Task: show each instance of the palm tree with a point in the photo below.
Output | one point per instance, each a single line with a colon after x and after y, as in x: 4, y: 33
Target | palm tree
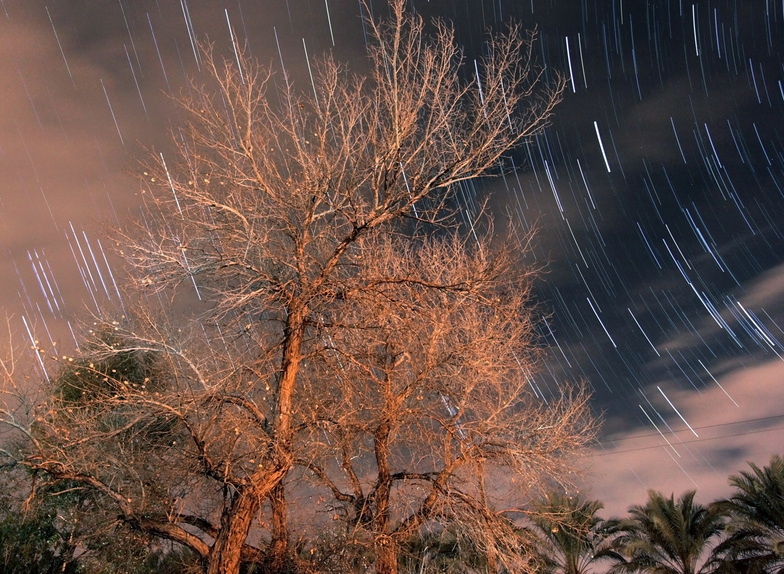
x: 756, y: 530
x: 566, y: 533
x: 666, y: 536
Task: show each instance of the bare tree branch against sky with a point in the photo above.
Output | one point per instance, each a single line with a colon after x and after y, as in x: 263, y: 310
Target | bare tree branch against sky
x: 658, y: 192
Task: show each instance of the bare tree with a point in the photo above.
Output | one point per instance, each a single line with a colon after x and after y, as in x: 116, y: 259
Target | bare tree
x: 345, y: 331
x: 429, y: 414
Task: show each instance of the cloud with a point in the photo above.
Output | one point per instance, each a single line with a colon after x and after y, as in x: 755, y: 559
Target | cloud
x: 627, y: 465
x: 61, y: 155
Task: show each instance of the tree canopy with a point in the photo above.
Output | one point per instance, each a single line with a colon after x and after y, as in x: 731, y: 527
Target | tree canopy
x: 666, y: 536
x: 309, y: 330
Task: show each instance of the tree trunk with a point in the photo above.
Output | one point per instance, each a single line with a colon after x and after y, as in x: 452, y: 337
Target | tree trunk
x: 384, y: 545
x: 226, y: 554
x: 282, y: 423
x: 292, y: 356
x: 386, y: 555
x: 279, y: 546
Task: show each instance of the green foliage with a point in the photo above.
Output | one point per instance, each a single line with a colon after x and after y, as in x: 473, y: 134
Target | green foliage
x: 107, y: 383
x: 666, y: 536
x: 448, y: 551
x: 102, y: 387
x: 98, y: 374
x: 337, y: 552
x: 33, y: 539
x: 32, y: 545
x: 60, y: 531
x: 117, y: 558
x: 566, y: 532
x: 756, y: 531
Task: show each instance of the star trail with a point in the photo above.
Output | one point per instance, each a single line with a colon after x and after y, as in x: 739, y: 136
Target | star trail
x: 657, y: 192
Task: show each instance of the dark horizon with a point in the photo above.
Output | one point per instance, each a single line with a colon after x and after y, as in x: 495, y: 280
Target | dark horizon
x: 658, y: 192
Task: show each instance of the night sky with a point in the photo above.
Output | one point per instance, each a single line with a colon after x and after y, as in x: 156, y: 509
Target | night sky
x: 657, y: 192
